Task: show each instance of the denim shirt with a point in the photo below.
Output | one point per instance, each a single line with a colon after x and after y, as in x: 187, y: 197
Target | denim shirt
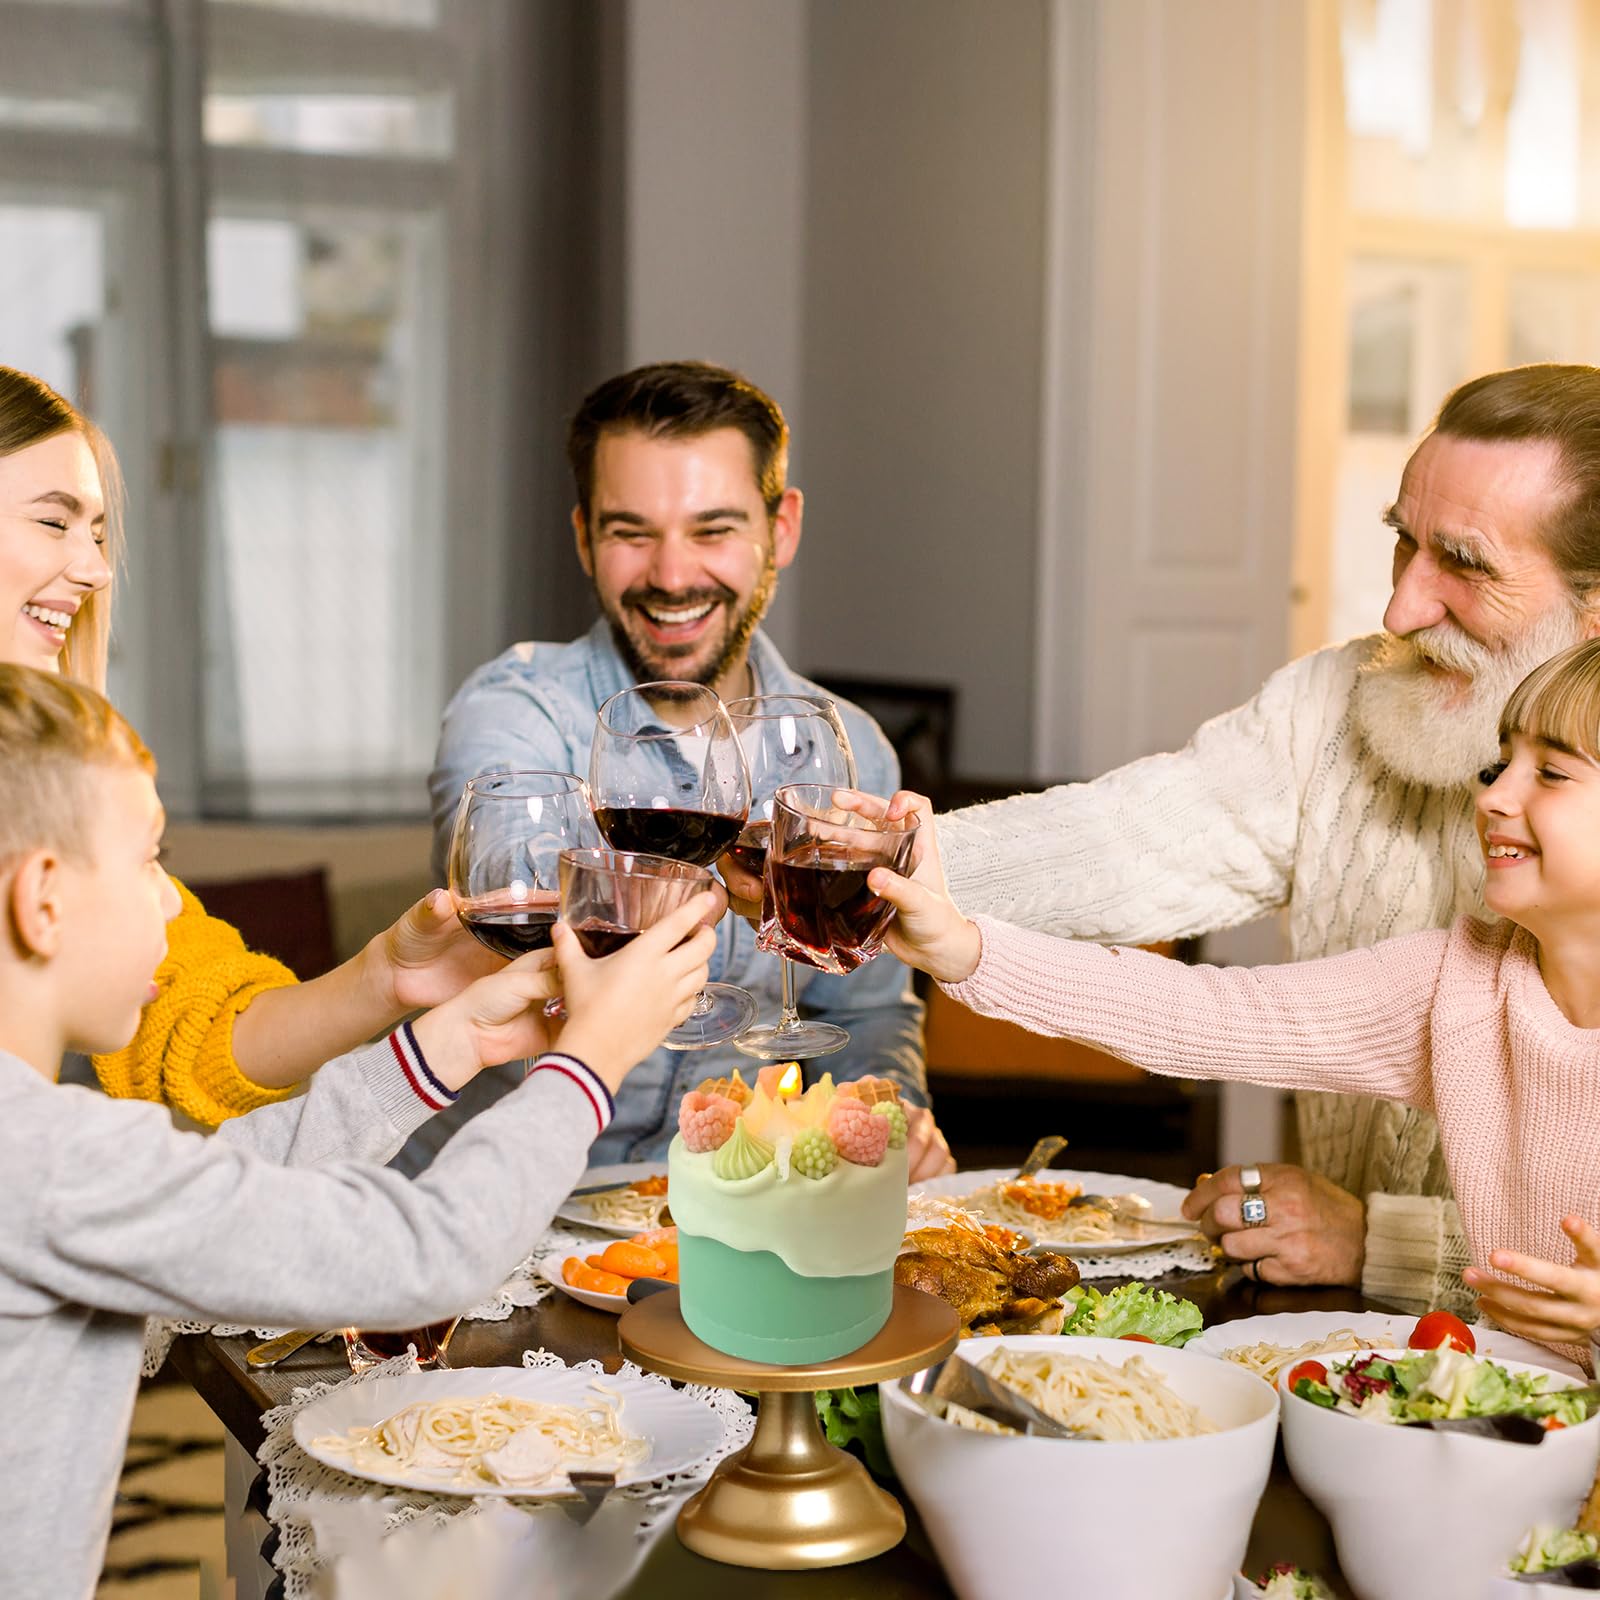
x: 533, y: 709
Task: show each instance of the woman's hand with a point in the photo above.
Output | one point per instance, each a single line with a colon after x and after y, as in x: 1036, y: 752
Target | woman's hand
x: 745, y: 890
x: 426, y: 958
x: 620, y: 1006
x: 1563, y: 1308
x: 928, y: 931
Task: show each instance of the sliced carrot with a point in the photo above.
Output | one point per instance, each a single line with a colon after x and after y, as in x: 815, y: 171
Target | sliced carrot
x: 668, y: 1251
x: 631, y: 1260
x: 570, y: 1268
x: 598, y: 1282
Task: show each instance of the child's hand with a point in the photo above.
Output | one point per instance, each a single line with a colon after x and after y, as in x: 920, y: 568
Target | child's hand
x: 928, y: 931
x: 426, y: 958
x: 1564, y: 1308
x: 620, y: 1006
x: 498, y: 1018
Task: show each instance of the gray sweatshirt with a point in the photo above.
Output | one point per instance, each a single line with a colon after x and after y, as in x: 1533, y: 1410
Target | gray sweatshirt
x: 283, y: 1217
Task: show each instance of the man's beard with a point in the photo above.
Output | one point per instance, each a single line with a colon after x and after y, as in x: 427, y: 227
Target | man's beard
x: 1429, y: 730
x: 652, y: 663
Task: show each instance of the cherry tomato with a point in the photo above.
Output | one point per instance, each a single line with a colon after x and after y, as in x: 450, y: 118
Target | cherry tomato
x: 1138, y: 1338
x: 1314, y: 1370
x: 1441, y: 1327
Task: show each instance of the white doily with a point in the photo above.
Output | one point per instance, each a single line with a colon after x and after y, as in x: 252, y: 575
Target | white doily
x: 322, y: 1515
x: 1145, y: 1265
x: 524, y: 1287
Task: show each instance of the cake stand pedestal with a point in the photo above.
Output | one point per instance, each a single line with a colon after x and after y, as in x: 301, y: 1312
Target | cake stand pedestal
x: 790, y: 1500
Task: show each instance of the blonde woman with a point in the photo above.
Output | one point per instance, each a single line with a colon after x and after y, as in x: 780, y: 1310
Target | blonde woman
x: 228, y: 1029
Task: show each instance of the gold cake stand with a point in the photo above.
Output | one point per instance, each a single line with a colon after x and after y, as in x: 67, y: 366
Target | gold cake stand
x: 789, y: 1499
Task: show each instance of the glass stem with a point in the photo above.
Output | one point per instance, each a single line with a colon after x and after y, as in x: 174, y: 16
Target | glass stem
x: 791, y: 1016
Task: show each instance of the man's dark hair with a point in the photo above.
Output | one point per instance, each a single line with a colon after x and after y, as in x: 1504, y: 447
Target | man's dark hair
x: 681, y: 400
x: 1558, y: 405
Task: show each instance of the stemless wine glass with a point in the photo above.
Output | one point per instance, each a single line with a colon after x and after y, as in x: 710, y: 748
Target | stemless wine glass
x: 787, y: 739
x: 817, y: 866
x: 510, y: 830
x: 667, y: 777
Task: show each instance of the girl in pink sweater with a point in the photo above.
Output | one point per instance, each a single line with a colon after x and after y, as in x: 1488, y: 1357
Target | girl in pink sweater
x: 1492, y: 1027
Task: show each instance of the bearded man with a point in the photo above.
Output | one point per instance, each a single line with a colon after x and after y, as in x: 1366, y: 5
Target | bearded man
x: 683, y: 521
x: 1343, y: 794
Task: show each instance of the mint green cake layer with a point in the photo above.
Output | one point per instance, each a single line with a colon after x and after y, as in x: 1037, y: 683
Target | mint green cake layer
x: 747, y: 1303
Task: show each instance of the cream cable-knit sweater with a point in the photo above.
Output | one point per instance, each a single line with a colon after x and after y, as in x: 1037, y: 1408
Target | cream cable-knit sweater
x: 1277, y: 804
x: 1456, y: 1021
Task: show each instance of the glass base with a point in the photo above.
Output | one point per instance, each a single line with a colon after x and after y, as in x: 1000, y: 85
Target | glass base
x: 796, y: 1041
x: 721, y: 1014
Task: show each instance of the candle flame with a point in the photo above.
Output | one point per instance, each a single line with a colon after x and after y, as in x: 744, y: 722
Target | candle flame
x: 789, y: 1082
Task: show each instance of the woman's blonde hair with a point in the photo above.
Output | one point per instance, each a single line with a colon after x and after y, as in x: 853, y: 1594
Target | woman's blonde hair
x: 1559, y: 702
x: 51, y: 730
x: 31, y: 412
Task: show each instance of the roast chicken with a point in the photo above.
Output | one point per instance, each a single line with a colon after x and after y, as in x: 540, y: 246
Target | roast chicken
x: 993, y: 1289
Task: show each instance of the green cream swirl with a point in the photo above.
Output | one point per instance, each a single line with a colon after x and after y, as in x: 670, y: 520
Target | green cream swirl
x: 742, y: 1155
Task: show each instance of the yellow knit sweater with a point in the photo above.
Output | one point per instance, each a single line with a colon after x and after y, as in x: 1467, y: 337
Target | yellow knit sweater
x: 182, y: 1054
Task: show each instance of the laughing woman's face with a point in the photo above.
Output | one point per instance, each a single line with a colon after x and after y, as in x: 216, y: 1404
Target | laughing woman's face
x: 52, y: 536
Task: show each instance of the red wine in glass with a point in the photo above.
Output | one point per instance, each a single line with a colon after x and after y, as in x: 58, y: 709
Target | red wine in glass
x: 604, y: 938
x: 697, y: 837
x: 749, y: 850
x: 824, y: 905
x: 367, y: 1346
x: 512, y: 928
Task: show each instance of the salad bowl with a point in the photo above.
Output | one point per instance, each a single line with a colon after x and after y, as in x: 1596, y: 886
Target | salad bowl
x: 1001, y: 1509
x: 1416, y: 1511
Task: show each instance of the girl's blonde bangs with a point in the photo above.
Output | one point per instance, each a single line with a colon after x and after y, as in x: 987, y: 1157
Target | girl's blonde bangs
x: 1559, y: 702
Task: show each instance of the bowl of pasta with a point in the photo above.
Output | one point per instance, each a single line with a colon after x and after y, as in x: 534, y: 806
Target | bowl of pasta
x: 1157, y: 1426
x: 1424, y: 1511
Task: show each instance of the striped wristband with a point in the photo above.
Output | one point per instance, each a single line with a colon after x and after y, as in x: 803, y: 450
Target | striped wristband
x: 413, y: 1064
x: 593, y: 1086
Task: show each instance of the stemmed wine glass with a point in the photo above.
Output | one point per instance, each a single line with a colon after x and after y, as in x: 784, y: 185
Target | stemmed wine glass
x: 667, y: 777
x: 787, y: 738
x: 510, y: 830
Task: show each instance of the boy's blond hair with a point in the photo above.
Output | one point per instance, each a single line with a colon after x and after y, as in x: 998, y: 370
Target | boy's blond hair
x: 51, y: 730
x: 1559, y: 701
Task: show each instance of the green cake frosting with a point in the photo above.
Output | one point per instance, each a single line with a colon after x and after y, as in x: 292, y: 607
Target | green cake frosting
x: 844, y: 1224
x: 742, y: 1155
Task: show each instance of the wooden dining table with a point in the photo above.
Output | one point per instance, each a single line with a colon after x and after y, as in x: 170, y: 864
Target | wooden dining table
x: 1287, y: 1527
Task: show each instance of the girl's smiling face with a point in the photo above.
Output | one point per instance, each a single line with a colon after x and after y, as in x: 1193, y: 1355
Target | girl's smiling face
x: 1538, y: 820
x: 52, y: 530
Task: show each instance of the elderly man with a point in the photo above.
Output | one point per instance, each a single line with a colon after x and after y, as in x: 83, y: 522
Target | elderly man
x: 1342, y: 792
x: 683, y: 521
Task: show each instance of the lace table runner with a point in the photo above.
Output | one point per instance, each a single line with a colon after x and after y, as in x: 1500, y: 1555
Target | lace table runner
x: 344, y: 1537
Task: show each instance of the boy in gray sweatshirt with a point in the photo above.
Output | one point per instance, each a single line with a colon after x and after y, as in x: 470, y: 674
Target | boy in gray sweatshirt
x: 285, y: 1216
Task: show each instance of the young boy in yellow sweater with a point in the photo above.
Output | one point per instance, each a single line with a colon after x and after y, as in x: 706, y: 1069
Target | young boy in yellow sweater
x: 284, y: 1216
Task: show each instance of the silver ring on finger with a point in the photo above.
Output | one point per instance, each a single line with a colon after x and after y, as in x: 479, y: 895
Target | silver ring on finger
x: 1252, y: 1203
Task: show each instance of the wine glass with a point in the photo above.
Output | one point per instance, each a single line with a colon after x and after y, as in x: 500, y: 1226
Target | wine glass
x: 787, y: 738
x: 667, y: 777
x: 817, y: 865
x: 510, y: 830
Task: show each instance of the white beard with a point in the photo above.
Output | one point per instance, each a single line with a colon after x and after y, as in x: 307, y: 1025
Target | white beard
x: 1427, y: 730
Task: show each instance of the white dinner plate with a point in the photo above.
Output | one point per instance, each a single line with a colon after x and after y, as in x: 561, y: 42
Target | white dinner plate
x: 680, y: 1430
x: 1164, y: 1198
x: 550, y: 1270
x: 1390, y: 1329
x: 575, y: 1208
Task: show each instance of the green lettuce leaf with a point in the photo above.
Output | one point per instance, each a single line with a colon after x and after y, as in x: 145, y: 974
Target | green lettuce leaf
x: 1132, y: 1308
x: 851, y: 1418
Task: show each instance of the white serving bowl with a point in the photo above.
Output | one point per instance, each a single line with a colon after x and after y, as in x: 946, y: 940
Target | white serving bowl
x: 1418, y: 1513
x: 1167, y: 1518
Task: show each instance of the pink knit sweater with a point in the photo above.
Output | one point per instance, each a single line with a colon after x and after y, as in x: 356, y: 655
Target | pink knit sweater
x: 1456, y: 1021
